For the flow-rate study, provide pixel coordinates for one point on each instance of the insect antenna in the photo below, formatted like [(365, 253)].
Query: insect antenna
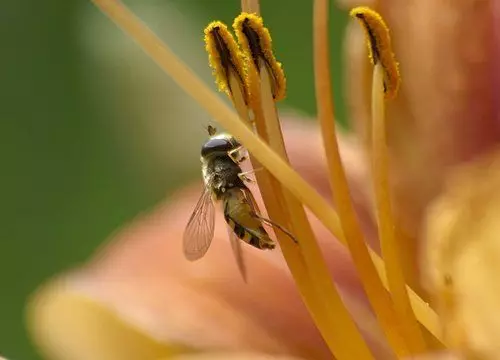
[(212, 130)]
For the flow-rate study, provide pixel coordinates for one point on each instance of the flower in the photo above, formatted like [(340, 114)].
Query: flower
[(445, 112), (136, 301)]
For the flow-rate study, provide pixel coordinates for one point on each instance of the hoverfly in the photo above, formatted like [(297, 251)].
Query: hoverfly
[(221, 156)]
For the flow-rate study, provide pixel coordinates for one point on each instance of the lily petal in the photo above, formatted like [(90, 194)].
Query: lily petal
[(141, 281), (67, 324), (462, 257)]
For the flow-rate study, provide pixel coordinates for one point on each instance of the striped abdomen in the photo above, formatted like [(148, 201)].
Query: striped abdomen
[(239, 216), (258, 238)]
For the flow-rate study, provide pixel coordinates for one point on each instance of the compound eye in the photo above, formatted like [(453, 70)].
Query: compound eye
[(215, 145)]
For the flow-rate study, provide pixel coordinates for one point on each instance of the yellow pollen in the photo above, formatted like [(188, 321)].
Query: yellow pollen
[(379, 45), (256, 45), (225, 58)]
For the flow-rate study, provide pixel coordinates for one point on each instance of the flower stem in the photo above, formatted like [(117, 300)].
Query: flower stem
[(378, 296), (386, 225), (328, 312), (305, 261), (250, 6), (328, 322)]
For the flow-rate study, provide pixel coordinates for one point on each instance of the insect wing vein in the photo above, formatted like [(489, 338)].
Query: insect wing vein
[(257, 214), (238, 252), (200, 228), (251, 201)]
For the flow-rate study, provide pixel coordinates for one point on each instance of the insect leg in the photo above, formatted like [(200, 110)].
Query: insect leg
[(243, 176), (278, 226), (234, 153)]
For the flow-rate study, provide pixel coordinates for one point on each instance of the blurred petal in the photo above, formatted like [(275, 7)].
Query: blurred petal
[(446, 111), (143, 279), (462, 258), (68, 325)]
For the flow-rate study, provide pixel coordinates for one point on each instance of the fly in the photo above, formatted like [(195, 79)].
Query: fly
[(224, 180)]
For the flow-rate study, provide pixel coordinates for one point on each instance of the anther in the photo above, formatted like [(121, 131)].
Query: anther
[(379, 45), (256, 45), (224, 58)]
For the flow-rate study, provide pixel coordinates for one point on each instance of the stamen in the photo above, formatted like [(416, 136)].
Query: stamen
[(256, 44), (271, 191), (325, 307), (380, 49), (250, 6), (328, 322), (224, 58), (375, 291), (386, 83), (305, 262), (281, 171)]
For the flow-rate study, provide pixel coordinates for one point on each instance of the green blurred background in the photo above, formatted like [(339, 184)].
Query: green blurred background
[(90, 126)]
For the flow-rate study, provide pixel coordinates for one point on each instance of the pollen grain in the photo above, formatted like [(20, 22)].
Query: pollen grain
[(256, 45), (379, 45), (224, 58)]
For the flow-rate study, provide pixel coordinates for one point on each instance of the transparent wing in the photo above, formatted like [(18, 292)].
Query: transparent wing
[(238, 252), (256, 213), (200, 228), (251, 201)]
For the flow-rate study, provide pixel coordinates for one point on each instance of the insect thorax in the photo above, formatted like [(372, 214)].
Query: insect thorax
[(220, 174)]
